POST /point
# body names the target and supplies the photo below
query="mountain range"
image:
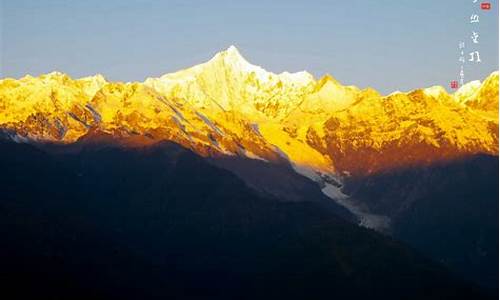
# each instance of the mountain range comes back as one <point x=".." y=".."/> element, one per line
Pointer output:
<point x="227" y="106"/>
<point x="420" y="167"/>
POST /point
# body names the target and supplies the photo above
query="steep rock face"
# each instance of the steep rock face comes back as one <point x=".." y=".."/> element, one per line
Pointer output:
<point x="227" y="106"/>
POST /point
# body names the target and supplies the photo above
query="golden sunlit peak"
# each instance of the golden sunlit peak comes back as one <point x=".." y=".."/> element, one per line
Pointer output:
<point x="435" y="91"/>
<point x="232" y="54"/>
<point x="97" y="76"/>
<point x="54" y="75"/>
<point x="232" y="58"/>
<point x="466" y="91"/>
<point x="325" y="80"/>
<point x="233" y="51"/>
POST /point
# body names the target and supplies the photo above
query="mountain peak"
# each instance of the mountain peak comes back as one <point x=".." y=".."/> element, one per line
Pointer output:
<point x="232" y="58"/>
<point x="231" y="54"/>
<point x="467" y="91"/>
<point x="54" y="75"/>
<point x="233" y="49"/>
<point x="326" y="79"/>
<point x="435" y="91"/>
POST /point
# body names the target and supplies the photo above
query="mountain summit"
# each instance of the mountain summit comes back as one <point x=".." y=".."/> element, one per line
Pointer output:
<point x="228" y="106"/>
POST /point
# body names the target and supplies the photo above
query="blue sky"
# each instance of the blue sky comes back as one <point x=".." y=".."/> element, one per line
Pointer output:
<point x="388" y="45"/>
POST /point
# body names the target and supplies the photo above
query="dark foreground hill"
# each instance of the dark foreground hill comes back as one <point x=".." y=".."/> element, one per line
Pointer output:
<point x="160" y="222"/>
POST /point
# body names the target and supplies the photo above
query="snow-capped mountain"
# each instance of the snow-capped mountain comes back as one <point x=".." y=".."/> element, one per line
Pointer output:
<point x="228" y="106"/>
<point x="384" y="159"/>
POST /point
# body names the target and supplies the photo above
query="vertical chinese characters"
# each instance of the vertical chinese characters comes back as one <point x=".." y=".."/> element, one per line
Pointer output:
<point x="473" y="56"/>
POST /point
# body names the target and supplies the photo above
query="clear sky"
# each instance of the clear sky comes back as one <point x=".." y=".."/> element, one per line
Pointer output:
<point x="388" y="45"/>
